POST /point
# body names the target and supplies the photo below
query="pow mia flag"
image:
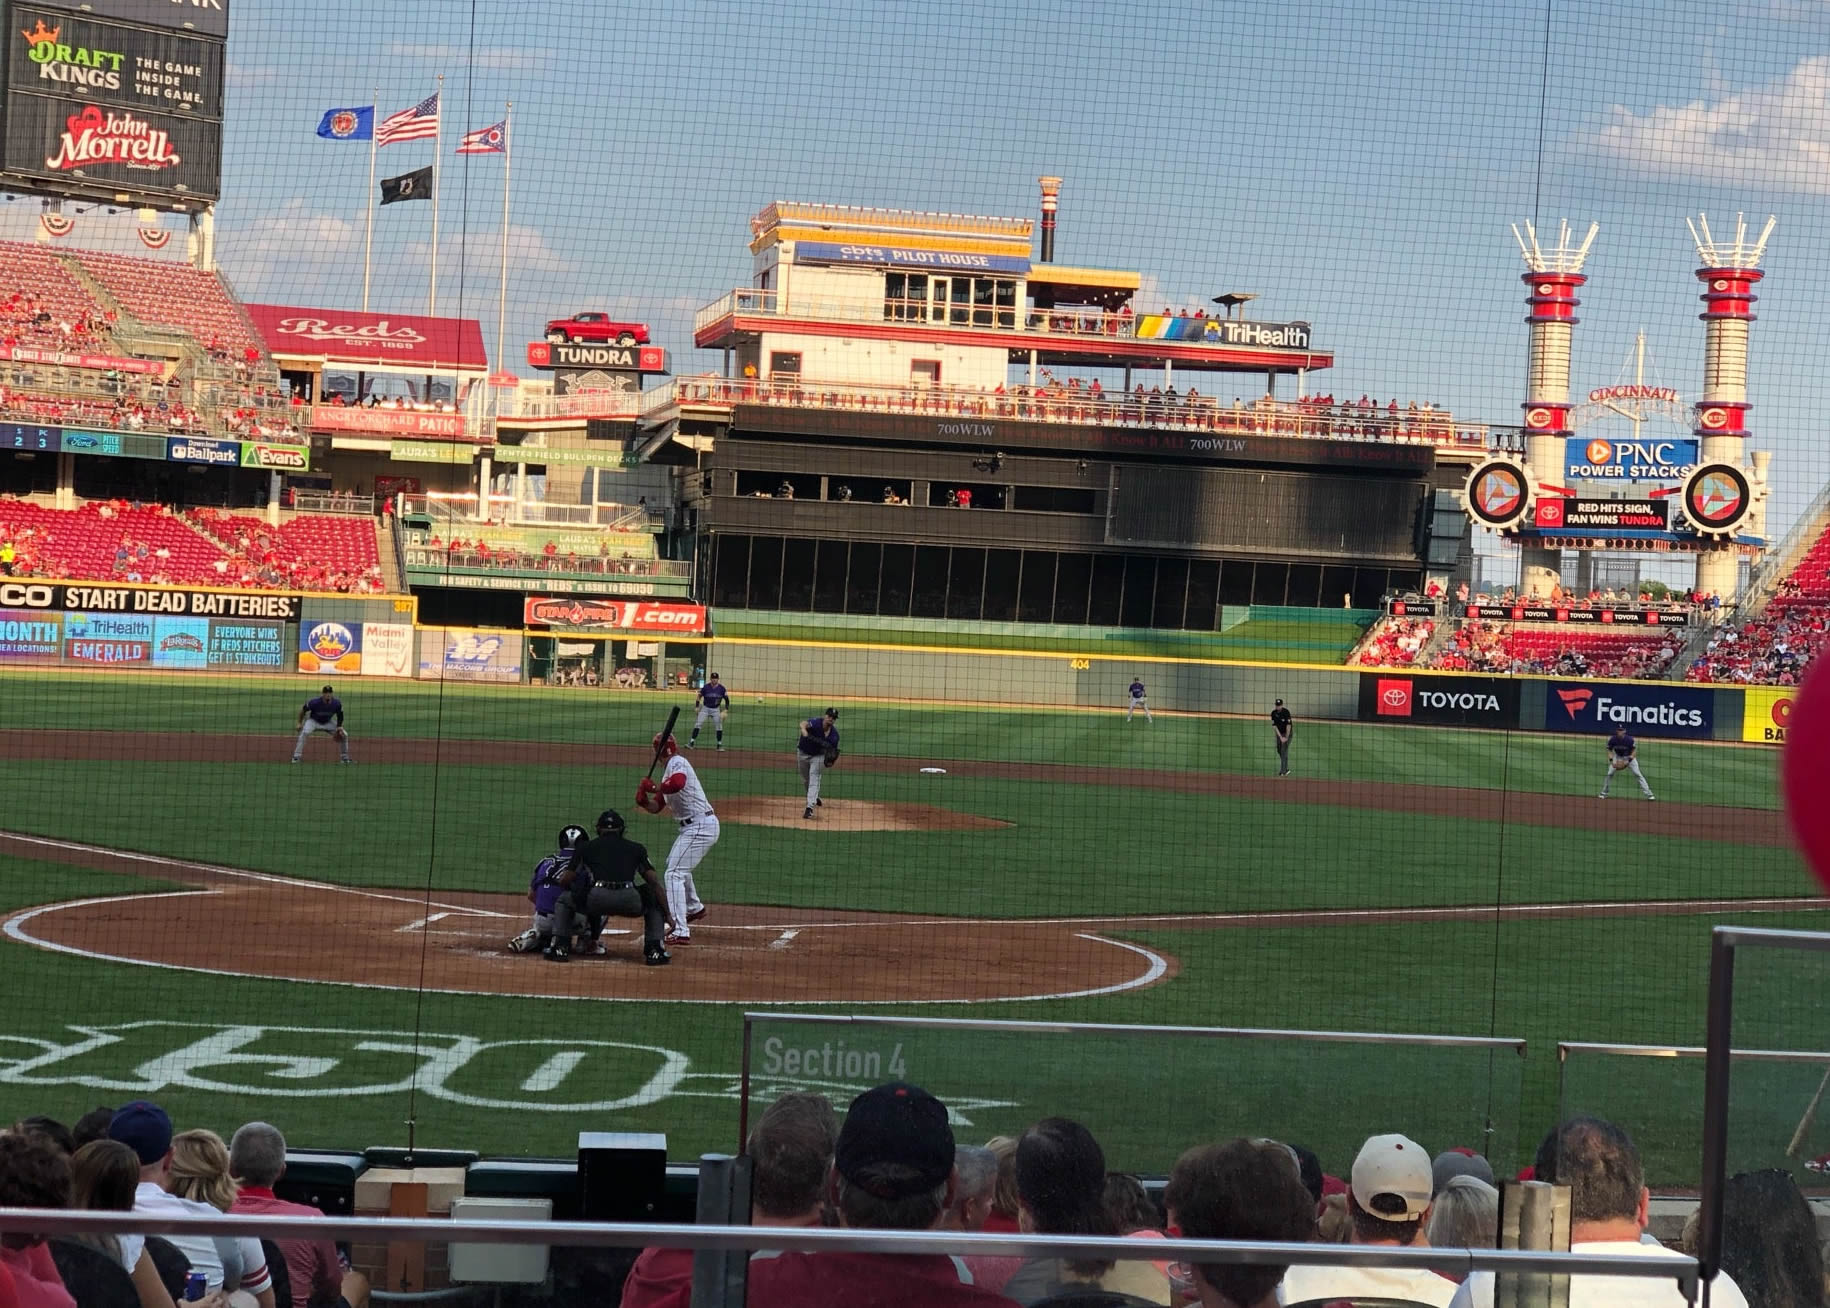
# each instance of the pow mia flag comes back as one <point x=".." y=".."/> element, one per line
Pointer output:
<point x="416" y="185"/>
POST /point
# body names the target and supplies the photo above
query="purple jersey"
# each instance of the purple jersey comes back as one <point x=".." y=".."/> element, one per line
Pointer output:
<point x="546" y="889"/>
<point x="1623" y="746"/>
<point x="1137" y="690"/>
<point x="324" y="709"/>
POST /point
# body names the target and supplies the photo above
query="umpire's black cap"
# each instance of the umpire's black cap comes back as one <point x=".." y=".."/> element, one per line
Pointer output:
<point x="610" y="820"/>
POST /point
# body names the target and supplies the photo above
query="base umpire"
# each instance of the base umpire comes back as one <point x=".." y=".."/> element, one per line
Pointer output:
<point x="601" y="880"/>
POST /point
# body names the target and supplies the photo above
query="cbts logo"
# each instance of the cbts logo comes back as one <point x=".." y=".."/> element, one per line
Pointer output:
<point x="1394" y="698"/>
<point x="1649" y="708"/>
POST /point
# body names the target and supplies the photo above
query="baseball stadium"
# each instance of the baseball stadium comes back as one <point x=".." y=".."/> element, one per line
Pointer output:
<point x="547" y="626"/>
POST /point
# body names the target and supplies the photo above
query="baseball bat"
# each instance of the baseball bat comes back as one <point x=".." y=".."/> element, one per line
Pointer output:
<point x="1805" y="1123"/>
<point x="673" y="716"/>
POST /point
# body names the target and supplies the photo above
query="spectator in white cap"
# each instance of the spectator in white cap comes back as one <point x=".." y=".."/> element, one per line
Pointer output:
<point x="1388" y="1202"/>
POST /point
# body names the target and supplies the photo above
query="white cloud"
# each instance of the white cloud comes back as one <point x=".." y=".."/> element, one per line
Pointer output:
<point x="243" y="76"/>
<point x="1773" y="136"/>
<point x="284" y="248"/>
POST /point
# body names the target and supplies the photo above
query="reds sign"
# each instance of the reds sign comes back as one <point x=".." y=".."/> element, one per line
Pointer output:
<point x="645" y="617"/>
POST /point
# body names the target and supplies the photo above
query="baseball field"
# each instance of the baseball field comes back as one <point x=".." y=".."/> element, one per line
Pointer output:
<point x="189" y="917"/>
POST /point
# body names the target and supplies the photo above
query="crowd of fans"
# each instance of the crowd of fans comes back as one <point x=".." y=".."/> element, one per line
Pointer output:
<point x="1477" y="645"/>
<point x="1395" y="642"/>
<point x="1773" y="650"/>
<point x="462" y="553"/>
<point x="156" y="416"/>
<point x="25" y="320"/>
<point x="894" y="1164"/>
<point x="258" y="556"/>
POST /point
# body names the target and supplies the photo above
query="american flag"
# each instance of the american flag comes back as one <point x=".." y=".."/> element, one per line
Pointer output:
<point x="413" y="124"/>
<point x="485" y="140"/>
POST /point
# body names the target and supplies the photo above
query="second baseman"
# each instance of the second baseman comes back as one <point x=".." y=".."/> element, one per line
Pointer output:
<point x="1623" y="755"/>
<point x="712" y="702"/>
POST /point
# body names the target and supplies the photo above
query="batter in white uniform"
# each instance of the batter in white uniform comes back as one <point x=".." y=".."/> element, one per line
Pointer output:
<point x="684" y="799"/>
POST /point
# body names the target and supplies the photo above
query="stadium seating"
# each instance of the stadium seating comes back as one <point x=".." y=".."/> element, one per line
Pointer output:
<point x="176" y="295"/>
<point x="43" y="306"/>
<point x="1476" y="646"/>
<point x="312" y="552"/>
<point x="1395" y="642"/>
<point x="1775" y="648"/>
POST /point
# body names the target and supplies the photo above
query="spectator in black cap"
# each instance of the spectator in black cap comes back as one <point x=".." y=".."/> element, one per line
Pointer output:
<point x="892" y="1170"/>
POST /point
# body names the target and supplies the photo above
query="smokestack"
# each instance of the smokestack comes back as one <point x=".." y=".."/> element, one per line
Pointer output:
<point x="1051" y="200"/>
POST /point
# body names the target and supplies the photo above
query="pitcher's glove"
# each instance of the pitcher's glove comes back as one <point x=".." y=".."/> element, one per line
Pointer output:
<point x="832" y="756"/>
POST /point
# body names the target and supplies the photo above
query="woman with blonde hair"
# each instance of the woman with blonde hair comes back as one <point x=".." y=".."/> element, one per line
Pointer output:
<point x="200" y="1174"/>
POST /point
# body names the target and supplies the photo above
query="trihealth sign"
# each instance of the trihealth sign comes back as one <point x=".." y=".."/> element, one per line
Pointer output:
<point x="1644" y="709"/>
<point x="1632" y="460"/>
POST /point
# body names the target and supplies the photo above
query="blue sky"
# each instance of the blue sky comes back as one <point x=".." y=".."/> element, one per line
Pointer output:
<point x="1357" y="165"/>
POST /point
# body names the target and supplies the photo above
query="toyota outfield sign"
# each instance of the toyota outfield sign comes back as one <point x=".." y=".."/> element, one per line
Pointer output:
<point x="1439" y="701"/>
<point x="1652" y="708"/>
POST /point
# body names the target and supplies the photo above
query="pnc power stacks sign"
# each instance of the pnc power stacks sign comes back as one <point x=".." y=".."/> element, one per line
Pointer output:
<point x="121" y="101"/>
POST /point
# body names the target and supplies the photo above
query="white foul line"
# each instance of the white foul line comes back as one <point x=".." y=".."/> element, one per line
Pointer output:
<point x="781" y="941"/>
<point x="419" y="923"/>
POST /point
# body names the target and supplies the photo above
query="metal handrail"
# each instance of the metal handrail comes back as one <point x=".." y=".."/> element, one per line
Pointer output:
<point x="1568" y="1047"/>
<point x="1204" y="413"/>
<point x="54" y="1222"/>
<point x="1514" y="1043"/>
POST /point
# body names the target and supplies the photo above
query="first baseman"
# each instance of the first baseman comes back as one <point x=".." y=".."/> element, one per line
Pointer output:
<point x="1138" y="701"/>
<point x="684" y="798"/>
<point x="1282" y="724"/>
<point x="324" y="713"/>
<point x="815" y="751"/>
<point x="712" y="701"/>
<point x="1623" y="752"/>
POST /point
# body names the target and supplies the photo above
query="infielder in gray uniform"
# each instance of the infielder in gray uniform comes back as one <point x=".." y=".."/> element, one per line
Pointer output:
<point x="324" y="713"/>
<point x="1623" y="755"/>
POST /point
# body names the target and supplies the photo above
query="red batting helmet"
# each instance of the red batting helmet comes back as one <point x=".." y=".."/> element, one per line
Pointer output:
<point x="665" y="743"/>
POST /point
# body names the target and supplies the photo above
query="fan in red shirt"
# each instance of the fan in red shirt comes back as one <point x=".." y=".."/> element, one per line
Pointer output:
<point x="257" y="1158"/>
<point x="33" y="1174"/>
<point x="790" y="1150"/>
<point x="892" y="1171"/>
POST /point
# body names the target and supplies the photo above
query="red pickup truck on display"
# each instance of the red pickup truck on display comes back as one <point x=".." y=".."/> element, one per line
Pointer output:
<point x="597" y="328"/>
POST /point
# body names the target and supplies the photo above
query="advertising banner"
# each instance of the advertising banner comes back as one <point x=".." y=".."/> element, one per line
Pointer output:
<point x="115" y="444"/>
<point x="259" y="645"/>
<point x="198" y="449"/>
<point x="331" y="647"/>
<point x="1439" y="701"/>
<point x="571" y="354"/>
<point x="109" y="151"/>
<point x="890" y="256"/>
<point x="430" y="452"/>
<point x="573" y="613"/>
<point x="401" y="340"/>
<point x="359" y="419"/>
<point x="108" y="638"/>
<point x="1630" y="460"/>
<point x="73" y="597"/>
<point x="27" y="636"/>
<point x="69" y="54"/>
<point x="1652" y="708"/>
<point x="109" y="362"/>
<point x="1601" y="517"/>
<point x="469" y="655"/>
<point x="1413" y="608"/>
<point x="387" y="649"/>
<point x="536" y="454"/>
<point x="1603" y="617"/>
<point x="638" y="546"/>
<point x="181" y="643"/>
<point x="1766" y="714"/>
<point x="206" y="17"/>
<point x="282" y="458"/>
<point x="1223" y="331"/>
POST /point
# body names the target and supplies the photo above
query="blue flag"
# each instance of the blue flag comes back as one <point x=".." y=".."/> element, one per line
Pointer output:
<point x="348" y="124"/>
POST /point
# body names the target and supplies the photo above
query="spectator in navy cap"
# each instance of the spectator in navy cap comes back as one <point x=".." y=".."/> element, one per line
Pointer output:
<point x="892" y="1170"/>
<point x="144" y="1128"/>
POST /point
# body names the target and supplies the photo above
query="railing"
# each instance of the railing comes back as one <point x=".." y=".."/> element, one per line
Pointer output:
<point x="588" y="404"/>
<point x="346" y="502"/>
<point x="709" y="1292"/>
<point x="422" y="558"/>
<point x="1073" y="324"/>
<point x="1189" y="412"/>
<point x="461" y="507"/>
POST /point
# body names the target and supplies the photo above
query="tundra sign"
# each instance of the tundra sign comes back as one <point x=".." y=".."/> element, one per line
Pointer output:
<point x="1439" y="701"/>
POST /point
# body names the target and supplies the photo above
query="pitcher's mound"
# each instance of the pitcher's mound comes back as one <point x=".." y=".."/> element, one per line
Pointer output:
<point x="849" y="815"/>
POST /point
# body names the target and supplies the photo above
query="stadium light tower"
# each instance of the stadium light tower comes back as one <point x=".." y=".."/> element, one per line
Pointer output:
<point x="1728" y="274"/>
<point x="1552" y="279"/>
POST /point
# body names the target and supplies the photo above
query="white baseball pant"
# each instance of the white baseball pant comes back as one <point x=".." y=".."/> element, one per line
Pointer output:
<point x="695" y="841"/>
<point x="813" y="767"/>
<point x="311" y="726"/>
<point x="715" y="715"/>
<point x="1633" y="767"/>
<point x="1139" y="703"/>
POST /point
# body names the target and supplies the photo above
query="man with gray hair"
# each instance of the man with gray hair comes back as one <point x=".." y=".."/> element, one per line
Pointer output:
<point x="1465" y="1214"/>
<point x="977" y="1168"/>
<point x="319" y="1277"/>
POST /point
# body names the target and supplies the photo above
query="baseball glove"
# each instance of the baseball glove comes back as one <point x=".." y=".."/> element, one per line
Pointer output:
<point x="832" y="756"/>
<point x="1617" y="764"/>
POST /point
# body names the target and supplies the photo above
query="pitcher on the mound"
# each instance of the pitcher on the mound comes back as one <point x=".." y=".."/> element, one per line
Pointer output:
<point x="815" y="751"/>
<point x="1623" y="754"/>
<point x="684" y="798"/>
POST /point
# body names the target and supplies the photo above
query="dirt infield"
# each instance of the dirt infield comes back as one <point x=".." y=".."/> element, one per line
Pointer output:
<point x="849" y="815"/>
<point x="1626" y="815"/>
<point x="278" y="927"/>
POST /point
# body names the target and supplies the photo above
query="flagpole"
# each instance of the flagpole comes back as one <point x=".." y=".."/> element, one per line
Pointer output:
<point x="438" y="148"/>
<point x="502" y="299"/>
<point x="368" y="241"/>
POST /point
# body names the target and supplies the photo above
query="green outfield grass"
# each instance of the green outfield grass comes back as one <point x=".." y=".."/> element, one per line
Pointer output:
<point x="483" y="1075"/>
